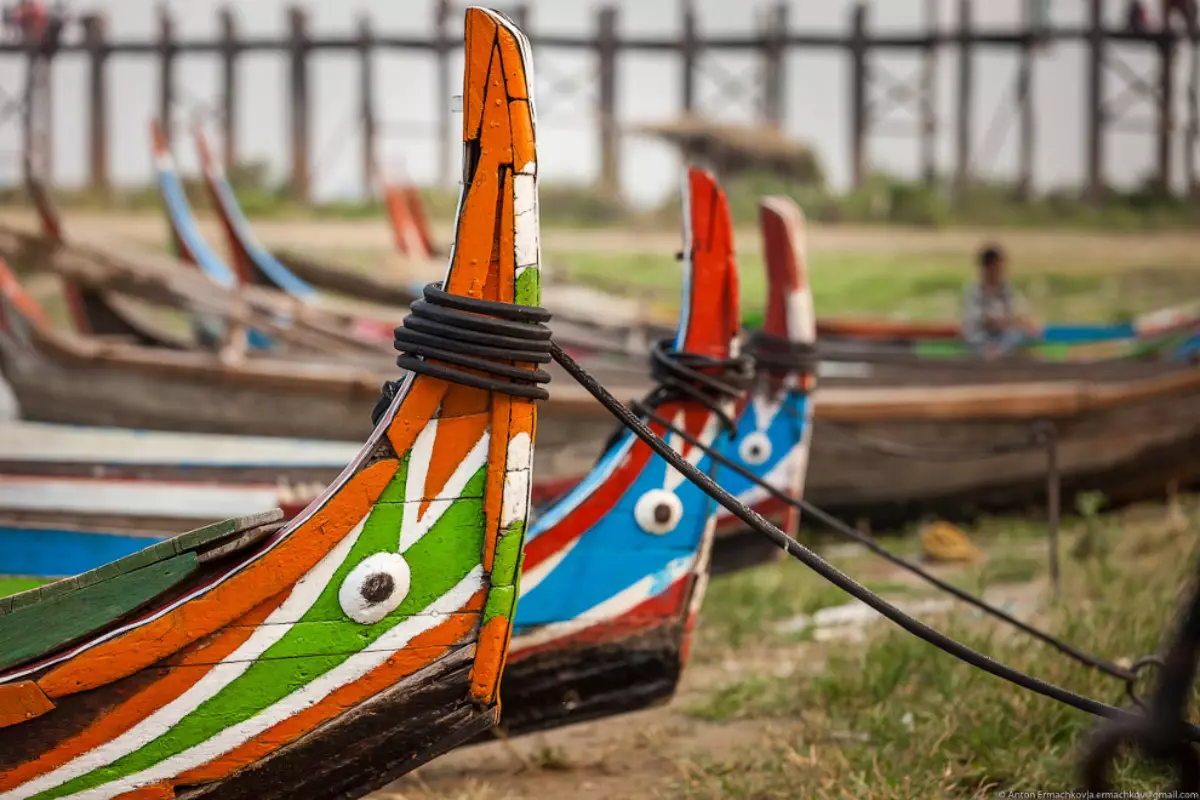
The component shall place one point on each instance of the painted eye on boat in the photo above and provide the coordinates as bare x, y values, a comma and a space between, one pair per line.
375, 587
755, 449
658, 511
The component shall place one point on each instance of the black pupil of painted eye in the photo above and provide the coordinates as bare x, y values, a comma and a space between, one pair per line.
378, 587
755, 450
662, 513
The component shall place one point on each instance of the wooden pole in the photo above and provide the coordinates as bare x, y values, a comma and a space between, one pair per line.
859, 113
229, 86
366, 104
774, 65
1165, 102
298, 73
29, 112
441, 20
929, 120
166, 70
1192, 137
689, 53
606, 52
97, 47
966, 90
1025, 106
1095, 102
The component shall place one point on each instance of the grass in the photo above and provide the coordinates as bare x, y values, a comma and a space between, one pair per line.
11, 585
925, 285
895, 718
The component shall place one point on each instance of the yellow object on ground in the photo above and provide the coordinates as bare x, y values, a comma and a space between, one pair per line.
946, 543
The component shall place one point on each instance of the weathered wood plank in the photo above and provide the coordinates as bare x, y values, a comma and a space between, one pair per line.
201, 537
34, 630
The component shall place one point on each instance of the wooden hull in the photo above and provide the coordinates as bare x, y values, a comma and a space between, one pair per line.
372, 745
1132, 451
195, 392
553, 686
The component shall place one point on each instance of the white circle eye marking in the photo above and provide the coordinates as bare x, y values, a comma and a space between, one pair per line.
658, 511
375, 588
755, 449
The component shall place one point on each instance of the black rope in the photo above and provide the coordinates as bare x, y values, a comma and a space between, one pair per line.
1162, 734
712, 382
1107, 667
472, 342
778, 354
827, 570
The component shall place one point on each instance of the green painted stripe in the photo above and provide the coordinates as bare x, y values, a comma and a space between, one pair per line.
40, 629
508, 554
439, 561
500, 603
528, 291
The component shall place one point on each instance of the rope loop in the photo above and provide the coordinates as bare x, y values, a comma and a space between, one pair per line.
780, 355
480, 343
1135, 676
712, 382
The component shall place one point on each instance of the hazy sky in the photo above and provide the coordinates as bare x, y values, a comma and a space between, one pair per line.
648, 90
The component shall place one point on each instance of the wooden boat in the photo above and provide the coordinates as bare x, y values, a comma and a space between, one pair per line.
615, 571
585, 321
72, 499
134, 386
324, 658
408, 220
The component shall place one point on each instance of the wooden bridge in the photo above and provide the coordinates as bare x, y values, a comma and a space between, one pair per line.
874, 95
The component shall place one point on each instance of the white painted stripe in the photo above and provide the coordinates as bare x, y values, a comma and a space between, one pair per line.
583, 490
620, 603
297, 522
520, 452
279, 622
349, 671
526, 245
674, 478
801, 318
411, 528
515, 502
136, 498
48, 443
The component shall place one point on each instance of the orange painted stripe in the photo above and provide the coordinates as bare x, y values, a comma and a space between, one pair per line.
514, 69
22, 701
179, 677
455, 438
493, 493
480, 43
203, 615
522, 134
489, 659
506, 266
11, 287
423, 650
462, 401
419, 407
157, 791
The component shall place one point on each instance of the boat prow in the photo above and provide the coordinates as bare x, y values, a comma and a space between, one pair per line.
328, 656
614, 571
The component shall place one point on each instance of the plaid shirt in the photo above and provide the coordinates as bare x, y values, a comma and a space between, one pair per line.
981, 304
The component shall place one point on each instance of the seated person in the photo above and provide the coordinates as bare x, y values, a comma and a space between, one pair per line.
992, 323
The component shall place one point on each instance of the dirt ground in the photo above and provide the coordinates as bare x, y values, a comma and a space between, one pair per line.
639, 756
1085, 247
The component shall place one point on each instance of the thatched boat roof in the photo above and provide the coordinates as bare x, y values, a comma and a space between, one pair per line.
731, 149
